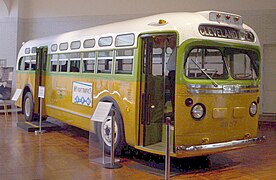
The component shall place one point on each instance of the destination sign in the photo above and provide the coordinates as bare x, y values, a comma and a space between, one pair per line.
226, 32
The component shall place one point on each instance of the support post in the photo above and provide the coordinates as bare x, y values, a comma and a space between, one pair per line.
6, 110
167, 162
112, 165
41, 94
40, 114
40, 119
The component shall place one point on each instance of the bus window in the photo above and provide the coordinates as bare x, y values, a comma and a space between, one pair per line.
33, 62
105, 61
27, 51
63, 46
124, 40
89, 43
205, 61
124, 61
33, 50
75, 60
27, 62
54, 47
75, 45
242, 64
54, 62
63, 62
21, 64
105, 41
157, 61
89, 60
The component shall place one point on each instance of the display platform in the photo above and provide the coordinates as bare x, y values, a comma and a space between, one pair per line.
34, 125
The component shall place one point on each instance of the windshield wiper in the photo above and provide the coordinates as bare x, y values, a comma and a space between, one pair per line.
202, 70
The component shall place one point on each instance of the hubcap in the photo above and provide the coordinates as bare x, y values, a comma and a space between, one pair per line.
27, 107
106, 131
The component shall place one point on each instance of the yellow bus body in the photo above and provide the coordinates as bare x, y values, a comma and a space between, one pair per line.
227, 114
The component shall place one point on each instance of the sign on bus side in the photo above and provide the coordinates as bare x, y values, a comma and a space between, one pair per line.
82, 93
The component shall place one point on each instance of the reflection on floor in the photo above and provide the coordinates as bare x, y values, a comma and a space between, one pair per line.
64, 155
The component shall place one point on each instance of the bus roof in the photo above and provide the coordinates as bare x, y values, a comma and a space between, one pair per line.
185, 24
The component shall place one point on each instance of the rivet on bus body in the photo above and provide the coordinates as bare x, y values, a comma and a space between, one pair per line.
127, 109
247, 136
189, 102
204, 140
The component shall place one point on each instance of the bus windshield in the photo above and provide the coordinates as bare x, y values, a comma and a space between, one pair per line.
243, 64
212, 63
203, 63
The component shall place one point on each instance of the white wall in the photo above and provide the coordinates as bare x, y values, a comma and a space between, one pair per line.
3, 9
56, 8
8, 32
43, 18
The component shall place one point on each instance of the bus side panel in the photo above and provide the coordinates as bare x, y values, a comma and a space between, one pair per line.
60, 106
23, 79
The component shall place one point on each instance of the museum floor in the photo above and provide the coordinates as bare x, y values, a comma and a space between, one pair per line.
64, 155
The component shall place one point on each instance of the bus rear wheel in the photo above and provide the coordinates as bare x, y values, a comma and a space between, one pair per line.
103, 131
28, 106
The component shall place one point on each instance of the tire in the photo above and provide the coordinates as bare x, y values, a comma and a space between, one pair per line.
103, 131
28, 107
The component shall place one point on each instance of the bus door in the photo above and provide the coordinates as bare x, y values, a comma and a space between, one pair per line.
155, 88
41, 62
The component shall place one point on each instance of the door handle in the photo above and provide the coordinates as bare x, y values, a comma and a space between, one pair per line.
148, 113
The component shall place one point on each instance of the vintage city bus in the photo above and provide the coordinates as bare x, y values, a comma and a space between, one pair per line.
202, 70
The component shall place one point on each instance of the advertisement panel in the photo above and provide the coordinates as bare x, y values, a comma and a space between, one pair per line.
82, 93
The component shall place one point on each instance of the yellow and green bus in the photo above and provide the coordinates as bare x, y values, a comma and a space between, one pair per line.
202, 70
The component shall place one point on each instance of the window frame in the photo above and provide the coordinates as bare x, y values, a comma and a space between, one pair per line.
75, 59
86, 40
60, 60
122, 35
61, 46
27, 50
99, 58
88, 59
255, 68
225, 66
77, 42
52, 60
103, 39
120, 57
54, 47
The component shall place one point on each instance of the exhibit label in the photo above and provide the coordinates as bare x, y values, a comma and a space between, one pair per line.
101, 112
41, 91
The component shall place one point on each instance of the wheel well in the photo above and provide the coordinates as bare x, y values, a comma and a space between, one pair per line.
115, 104
26, 89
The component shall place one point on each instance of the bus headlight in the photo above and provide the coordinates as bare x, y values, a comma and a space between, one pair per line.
198, 111
253, 109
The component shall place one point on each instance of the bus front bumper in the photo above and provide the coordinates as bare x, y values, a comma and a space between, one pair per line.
199, 150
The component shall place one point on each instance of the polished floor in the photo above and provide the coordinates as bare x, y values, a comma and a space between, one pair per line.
64, 155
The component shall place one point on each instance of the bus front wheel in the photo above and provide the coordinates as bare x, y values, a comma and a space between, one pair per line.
28, 106
103, 131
